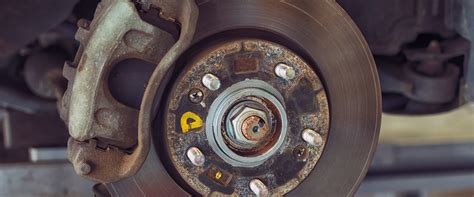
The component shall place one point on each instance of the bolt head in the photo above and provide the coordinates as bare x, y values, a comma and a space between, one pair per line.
211, 82
82, 168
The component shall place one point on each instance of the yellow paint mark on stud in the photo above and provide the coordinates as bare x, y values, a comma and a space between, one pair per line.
190, 120
218, 175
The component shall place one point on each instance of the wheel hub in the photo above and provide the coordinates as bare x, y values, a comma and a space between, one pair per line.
254, 99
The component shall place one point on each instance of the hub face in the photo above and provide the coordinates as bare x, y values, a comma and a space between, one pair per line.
245, 118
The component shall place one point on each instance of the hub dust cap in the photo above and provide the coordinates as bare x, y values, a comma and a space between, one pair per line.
235, 117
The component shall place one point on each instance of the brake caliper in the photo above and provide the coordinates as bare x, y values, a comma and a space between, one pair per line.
106, 143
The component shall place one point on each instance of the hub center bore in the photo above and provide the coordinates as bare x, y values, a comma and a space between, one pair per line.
247, 123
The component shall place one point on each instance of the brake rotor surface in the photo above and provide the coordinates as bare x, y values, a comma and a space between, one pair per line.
322, 35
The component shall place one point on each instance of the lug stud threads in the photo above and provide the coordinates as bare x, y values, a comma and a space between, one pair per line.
284, 71
211, 82
312, 137
259, 188
195, 156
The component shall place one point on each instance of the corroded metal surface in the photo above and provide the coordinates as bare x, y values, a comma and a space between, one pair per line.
102, 129
343, 63
305, 104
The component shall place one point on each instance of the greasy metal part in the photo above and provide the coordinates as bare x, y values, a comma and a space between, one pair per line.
388, 25
101, 127
428, 77
252, 91
43, 74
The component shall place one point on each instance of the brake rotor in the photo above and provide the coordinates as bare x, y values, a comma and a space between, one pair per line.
333, 68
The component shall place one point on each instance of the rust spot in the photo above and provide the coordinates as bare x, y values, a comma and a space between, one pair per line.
244, 64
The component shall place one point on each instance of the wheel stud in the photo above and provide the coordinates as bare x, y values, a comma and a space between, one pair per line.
195, 156
258, 188
284, 71
312, 137
211, 82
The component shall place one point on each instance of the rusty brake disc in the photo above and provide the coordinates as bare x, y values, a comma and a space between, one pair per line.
324, 36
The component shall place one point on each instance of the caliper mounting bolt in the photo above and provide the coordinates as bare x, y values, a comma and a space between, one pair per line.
195, 156
259, 188
284, 71
312, 137
83, 168
211, 82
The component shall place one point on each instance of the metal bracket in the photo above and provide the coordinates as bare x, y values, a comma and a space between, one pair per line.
92, 114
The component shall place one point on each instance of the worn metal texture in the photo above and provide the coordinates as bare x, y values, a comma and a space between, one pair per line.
245, 67
346, 67
101, 127
186, 13
388, 25
24, 20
